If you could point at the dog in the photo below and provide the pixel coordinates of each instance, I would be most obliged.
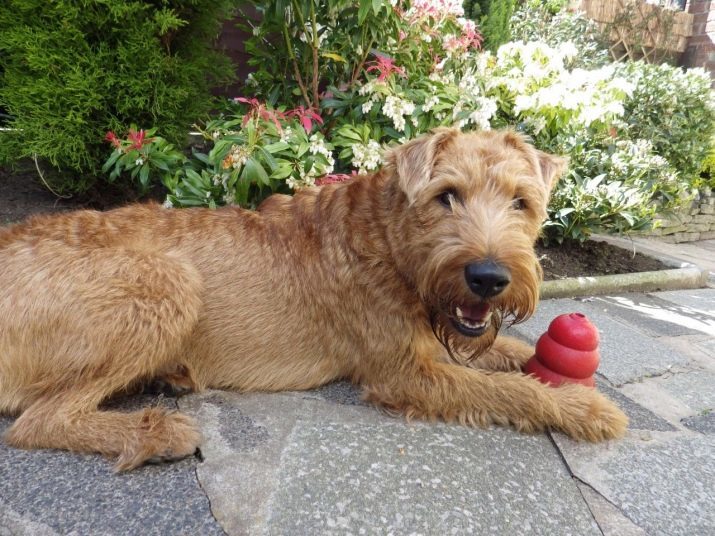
(396, 281)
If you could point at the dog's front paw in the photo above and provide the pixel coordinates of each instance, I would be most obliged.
(585, 414)
(507, 354)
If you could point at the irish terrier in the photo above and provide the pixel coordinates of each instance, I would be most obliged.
(398, 282)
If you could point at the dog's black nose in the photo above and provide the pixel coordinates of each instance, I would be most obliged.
(486, 278)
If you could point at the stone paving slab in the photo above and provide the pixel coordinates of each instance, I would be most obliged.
(652, 315)
(323, 467)
(57, 492)
(699, 299)
(639, 418)
(661, 481)
(705, 424)
(627, 354)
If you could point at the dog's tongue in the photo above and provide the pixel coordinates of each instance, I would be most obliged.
(475, 313)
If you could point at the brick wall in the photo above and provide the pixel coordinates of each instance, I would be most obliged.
(701, 46)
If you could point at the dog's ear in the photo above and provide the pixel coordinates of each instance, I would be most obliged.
(413, 162)
(552, 167)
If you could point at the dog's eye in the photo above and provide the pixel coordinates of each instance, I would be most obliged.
(447, 197)
(518, 203)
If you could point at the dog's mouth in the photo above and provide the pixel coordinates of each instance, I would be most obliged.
(471, 320)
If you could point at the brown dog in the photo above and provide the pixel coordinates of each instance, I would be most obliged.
(394, 281)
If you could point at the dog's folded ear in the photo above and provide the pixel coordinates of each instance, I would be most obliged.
(413, 162)
(552, 167)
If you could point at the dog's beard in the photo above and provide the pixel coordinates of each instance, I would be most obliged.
(460, 348)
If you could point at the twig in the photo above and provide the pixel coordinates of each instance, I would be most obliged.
(42, 178)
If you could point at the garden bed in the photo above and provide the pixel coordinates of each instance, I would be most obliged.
(592, 258)
(22, 195)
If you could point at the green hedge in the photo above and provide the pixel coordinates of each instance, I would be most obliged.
(72, 70)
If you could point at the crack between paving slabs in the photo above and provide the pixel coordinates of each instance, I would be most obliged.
(577, 479)
(199, 459)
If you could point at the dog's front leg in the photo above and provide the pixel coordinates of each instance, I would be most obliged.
(430, 390)
(507, 354)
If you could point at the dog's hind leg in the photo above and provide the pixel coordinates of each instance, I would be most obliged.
(101, 321)
(68, 421)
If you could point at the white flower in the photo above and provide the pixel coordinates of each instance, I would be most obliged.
(568, 50)
(308, 34)
(536, 124)
(430, 103)
(367, 105)
(139, 162)
(286, 134)
(167, 203)
(366, 157)
(396, 109)
(481, 116)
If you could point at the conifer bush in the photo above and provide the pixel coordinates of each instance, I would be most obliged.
(72, 70)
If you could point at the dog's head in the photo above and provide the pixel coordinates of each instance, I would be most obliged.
(473, 206)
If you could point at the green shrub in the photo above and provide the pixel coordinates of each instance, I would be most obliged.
(72, 70)
(549, 23)
(494, 17)
(674, 110)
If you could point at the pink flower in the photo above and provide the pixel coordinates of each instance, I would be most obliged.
(306, 116)
(385, 67)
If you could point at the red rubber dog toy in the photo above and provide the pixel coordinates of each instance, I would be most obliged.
(567, 352)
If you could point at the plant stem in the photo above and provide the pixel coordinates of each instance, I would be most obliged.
(296, 69)
(315, 43)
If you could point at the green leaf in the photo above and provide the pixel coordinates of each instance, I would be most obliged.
(144, 175)
(364, 9)
(255, 171)
(376, 7)
(276, 147)
(112, 159)
(282, 171)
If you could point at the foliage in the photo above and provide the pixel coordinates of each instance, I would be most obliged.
(544, 22)
(674, 109)
(427, 71)
(494, 17)
(71, 70)
(248, 158)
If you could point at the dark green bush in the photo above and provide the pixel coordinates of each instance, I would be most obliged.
(72, 70)
(493, 17)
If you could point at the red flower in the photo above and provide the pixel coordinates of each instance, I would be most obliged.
(385, 67)
(258, 110)
(112, 138)
(138, 139)
(306, 116)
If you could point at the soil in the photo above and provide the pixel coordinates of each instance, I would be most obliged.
(23, 194)
(572, 259)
